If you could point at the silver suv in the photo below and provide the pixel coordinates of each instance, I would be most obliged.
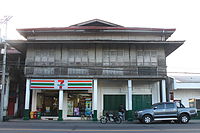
(166, 111)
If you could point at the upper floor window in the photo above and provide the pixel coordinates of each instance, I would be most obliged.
(78, 53)
(113, 55)
(47, 55)
(146, 58)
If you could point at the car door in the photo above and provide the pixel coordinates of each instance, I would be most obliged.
(159, 110)
(170, 110)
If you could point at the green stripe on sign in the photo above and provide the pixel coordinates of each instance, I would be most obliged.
(79, 84)
(42, 83)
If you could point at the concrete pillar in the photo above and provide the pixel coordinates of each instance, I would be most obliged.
(129, 115)
(94, 101)
(27, 100)
(163, 84)
(60, 105)
(156, 92)
(34, 100)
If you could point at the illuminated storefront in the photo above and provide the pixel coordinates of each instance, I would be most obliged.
(61, 98)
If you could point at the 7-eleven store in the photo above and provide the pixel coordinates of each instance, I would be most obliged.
(61, 98)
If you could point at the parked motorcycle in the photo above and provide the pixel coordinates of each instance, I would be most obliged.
(111, 118)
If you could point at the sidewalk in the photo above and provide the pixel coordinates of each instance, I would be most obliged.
(67, 121)
(52, 121)
(81, 121)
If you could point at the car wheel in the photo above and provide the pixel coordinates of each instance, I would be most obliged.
(147, 119)
(184, 118)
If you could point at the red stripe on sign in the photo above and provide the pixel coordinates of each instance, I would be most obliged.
(81, 87)
(42, 80)
(40, 87)
(79, 81)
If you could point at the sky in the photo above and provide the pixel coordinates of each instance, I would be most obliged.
(184, 15)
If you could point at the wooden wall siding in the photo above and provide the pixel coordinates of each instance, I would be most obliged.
(94, 60)
(111, 71)
(96, 36)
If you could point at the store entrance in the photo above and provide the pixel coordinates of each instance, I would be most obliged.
(79, 104)
(47, 103)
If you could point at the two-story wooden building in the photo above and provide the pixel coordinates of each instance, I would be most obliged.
(93, 67)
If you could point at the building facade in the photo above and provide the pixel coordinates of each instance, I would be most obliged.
(92, 67)
(187, 91)
(13, 81)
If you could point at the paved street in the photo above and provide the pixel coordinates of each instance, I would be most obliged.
(37, 126)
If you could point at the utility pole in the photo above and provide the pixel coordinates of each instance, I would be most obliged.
(4, 21)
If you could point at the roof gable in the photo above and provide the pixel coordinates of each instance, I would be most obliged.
(97, 22)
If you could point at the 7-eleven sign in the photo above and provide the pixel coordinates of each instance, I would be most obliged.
(61, 84)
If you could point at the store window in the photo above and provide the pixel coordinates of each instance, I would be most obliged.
(194, 103)
(79, 104)
(47, 103)
(198, 103)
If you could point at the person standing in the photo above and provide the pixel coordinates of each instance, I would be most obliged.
(122, 111)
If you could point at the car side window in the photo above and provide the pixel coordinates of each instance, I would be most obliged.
(160, 106)
(169, 105)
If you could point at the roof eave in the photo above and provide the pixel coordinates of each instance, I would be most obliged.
(166, 32)
(170, 48)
